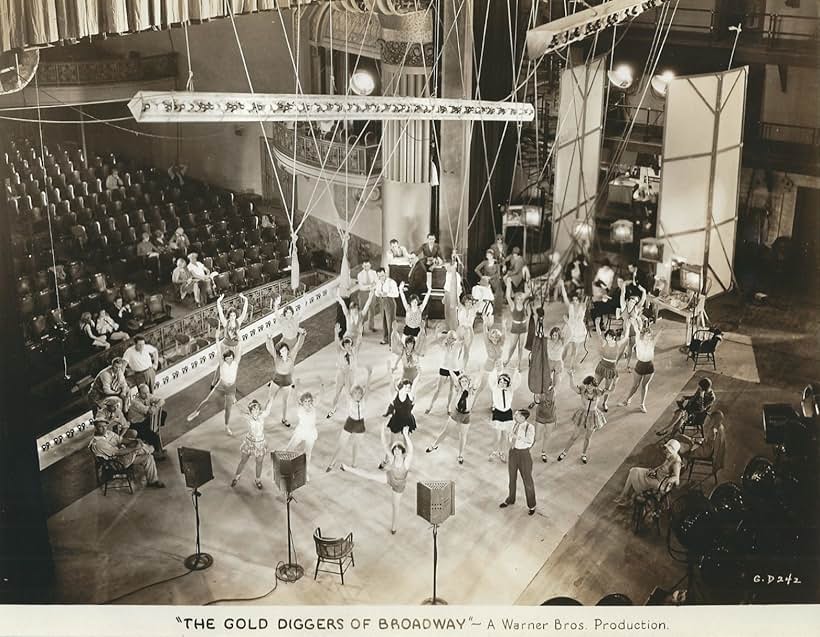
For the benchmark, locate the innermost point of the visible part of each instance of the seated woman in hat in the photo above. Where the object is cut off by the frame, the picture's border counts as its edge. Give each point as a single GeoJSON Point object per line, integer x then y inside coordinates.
{"type": "Point", "coordinates": [641, 479]}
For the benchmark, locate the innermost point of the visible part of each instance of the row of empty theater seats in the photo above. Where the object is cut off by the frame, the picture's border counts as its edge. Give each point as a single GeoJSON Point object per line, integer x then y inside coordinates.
{"type": "Point", "coordinates": [96, 230]}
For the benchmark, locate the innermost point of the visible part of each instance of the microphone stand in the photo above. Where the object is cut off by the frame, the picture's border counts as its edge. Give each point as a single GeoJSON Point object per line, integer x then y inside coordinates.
{"type": "Point", "coordinates": [434, 601]}
{"type": "Point", "coordinates": [291, 570]}
{"type": "Point", "coordinates": [199, 561]}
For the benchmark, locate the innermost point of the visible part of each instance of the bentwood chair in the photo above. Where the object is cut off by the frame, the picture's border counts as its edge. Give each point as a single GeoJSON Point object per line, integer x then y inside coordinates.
{"type": "Point", "coordinates": [336, 551]}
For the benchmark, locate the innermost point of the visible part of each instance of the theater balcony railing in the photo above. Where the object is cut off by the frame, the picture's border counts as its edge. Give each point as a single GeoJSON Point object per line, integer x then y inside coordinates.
{"type": "Point", "coordinates": [307, 152]}
{"type": "Point", "coordinates": [107, 71]}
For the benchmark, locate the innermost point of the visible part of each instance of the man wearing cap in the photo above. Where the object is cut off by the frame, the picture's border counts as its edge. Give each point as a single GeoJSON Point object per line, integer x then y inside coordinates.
{"type": "Point", "coordinates": [110, 382]}
{"type": "Point", "coordinates": [110, 446]}
{"type": "Point", "coordinates": [143, 359]}
{"type": "Point", "coordinates": [666, 475]}
{"type": "Point", "coordinates": [146, 416]}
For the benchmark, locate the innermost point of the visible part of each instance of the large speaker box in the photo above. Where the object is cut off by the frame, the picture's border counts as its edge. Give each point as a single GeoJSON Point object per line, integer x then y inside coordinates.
{"type": "Point", "coordinates": [436, 500]}
{"type": "Point", "coordinates": [195, 464]}
{"type": "Point", "coordinates": [776, 417]}
{"type": "Point", "coordinates": [289, 470]}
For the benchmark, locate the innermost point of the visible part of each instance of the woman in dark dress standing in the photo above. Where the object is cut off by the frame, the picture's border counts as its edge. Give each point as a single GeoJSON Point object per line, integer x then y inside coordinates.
{"type": "Point", "coordinates": [401, 413]}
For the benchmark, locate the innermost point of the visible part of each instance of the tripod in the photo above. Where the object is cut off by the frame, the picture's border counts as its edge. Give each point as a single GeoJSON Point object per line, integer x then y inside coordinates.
{"type": "Point", "coordinates": [289, 571]}
{"type": "Point", "coordinates": [199, 561]}
{"type": "Point", "coordinates": [434, 601]}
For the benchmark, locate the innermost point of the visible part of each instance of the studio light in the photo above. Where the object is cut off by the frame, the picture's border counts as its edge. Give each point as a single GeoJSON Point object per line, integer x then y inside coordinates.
{"type": "Point", "coordinates": [622, 231]}
{"type": "Point", "coordinates": [582, 231]}
{"type": "Point", "coordinates": [362, 82]}
{"type": "Point", "coordinates": [621, 76]}
{"type": "Point", "coordinates": [660, 83]}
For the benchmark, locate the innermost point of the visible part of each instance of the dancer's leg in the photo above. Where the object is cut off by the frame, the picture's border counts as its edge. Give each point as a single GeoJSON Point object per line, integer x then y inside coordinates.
{"type": "Point", "coordinates": [375, 476]}
{"type": "Point", "coordinates": [395, 501]}
{"type": "Point", "coordinates": [341, 445]}
{"type": "Point", "coordinates": [285, 399]}
{"type": "Point", "coordinates": [575, 434]}
{"type": "Point", "coordinates": [355, 449]}
{"type": "Point", "coordinates": [243, 460]}
{"type": "Point", "coordinates": [587, 438]}
{"type": "Point", "coordinates": [636, 382]}
{"type": "Point", "coordinates": [230, 399]}
{"type": "Point", "coordinates": [440, 380]}
{"type": "Point", "coordinates": [463, 430]}
{"type": "Point", "coordinates": [340, 384]}
{"type": "Point", "coordinates": [645, 380]}
{"type": "Point", "coordinates": [308, 452]}
{"type": "Point", "coordinates": [259, 461]}
{"type": "Point", "coordinates": [440, 435]}
{"type": "Point", "coordinates": [196, 411]}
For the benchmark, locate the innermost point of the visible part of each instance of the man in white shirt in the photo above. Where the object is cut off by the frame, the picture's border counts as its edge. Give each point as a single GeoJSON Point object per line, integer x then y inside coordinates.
{"type": "Point", "coordinates": [108, 445]}
{"type": "Point", "coordinates": [366, 279]}
{"type": "Point", "coordinates": [113, 181]}
{"type": "Point", "coordinates": [386, 293]}
{"type": "Point", "coordinates": [521, 438]}
{"type": "Point", "coordinates": [143, 359]}
{"type": "Point", "coordinates": [202, 275]}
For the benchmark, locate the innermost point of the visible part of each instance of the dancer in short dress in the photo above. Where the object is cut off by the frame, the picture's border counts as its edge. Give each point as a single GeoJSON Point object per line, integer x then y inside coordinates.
{"type": "Point", "coordinates": [346, 363]}
{"type": "Point", "coordinates": [413, 314]}
{"type": "Point", "coordinates": [502, 387]}
{"type": "Point", "coordinates": [458, 413]}
{"type": "Point", "coordinates": [518, 274]}
{"type": "Point", "coordinates": [451, 346]}
{"type": "Point", "coordinates": [644, 366]}
{"type": "Point", "coordinates": [555, 354]}
{"type": "Point", "coordinates": [484, 298]}
{"type": "Point", "coordinates": [519, 318]}
{"type": "Point", "coordinates": [404, 348]}
{"type": "Point", "coordinates": [576, 326]}
{"type": "Point", "coordinates": [284, 360]}
{"type": "Point", "coordinates": [491, 268]}
{"type": "Point", "coordinates": [226, 386]}
{"type": "Point", "coordinates": [354, 316]}
{"type": "Point", "coordinates": [494, 339]}
{"type": "Point", "coordinates": [354, 424]}
{"type": "Point", "coordinates": [401, 412]}
{"type": "Point", "coordinates": [231, 323]}
{"type": "Point", "coordinates": [632, 314]}
{"type": "Point", "coordinates": [606, 372]}
{"type": "Point", "coordinates": [588, 418]}
{"type": "Point", "coordinates": [288, 320]}
{"type": "Point", "coordinates": [305, 432]}
{"type": "Point", "coordinates": [465, 315]}
{"type": "Point", "coordinates": [395, 472]}
{"type": "Point", "coordinates": [254, 444]}
{"type": "Point", "coordinates": [452, 290]}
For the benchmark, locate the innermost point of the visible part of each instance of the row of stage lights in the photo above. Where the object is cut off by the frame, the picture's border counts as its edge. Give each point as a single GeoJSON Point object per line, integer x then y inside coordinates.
{"type": "Point", "coordinates": [622, 77]}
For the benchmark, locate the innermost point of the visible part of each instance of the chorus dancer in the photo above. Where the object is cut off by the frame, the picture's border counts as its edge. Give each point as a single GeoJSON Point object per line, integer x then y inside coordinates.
{"type": "Point", "coordinates": [354, 424]}
{"type": "Point", "coordinates": [458, 411]}
{"type": "Point", "coordinates": [305, 432]}
{"type": "Point", "coordinates": [226, 386]}
{"type": "Point", "coordinates": [451, 345]}
{"type": "Point", "coordinates": [502, 387]}
{"type": "Point", "coordinates": [288, 321]}
{"type": "Point", "coordinates": [519, 319]}
{"type": "Point", "coordinates": [231, 323]}
{"type": "Point", "coordinates": [284, 360]}
{"type": "Point", "coordinates": [576, 326]}
{"type": "Point", "coordinates": [606, 372]}
{"type": "Point", "coordinates": [482, 292]}
{"type": "Point", "coordinates": [346, 364]}
{"type": "Point", "coordinates": [400, 412]}
{"type": "Point", "coordinates": [254, 443]}
{"type": "Point", "coordinates": [494, 340]}
{"type": "Point", "coordinates": [539, 376]}
{"type": "Point", "coordinates": [491, 268]}
{"type": "Point", "coordinates": [545, 421]}
{"type": "Point", "coordinates": [644, 365]}
{"type": "Point", "coordinates": [400, 454]}
{"type": "Point", "coordinates": [518, 274]}
{"type": "Point", "coordinates": [588, 418]}
{"type": "Point", "coordinates": [413, 314]}
{"type": "Point", "coordinates": [354, 315]}
{"type": "Point", "coordinates": [555, 354]}
{"type": "Point", "coordinates": [632, 314]}
{"type": "Point", "coordinates": [467, 311]}
{"type": "Point", "coordinates": [404, 348]}
{"type": "Point", "coordinates": [452, 290]}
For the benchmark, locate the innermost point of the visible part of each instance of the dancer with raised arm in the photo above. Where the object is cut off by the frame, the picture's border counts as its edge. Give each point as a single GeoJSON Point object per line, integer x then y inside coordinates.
{"type": "Point", "coordinates": [588, 418]}
{"type": "Point", "coordinates": [452, 291]}
{"type": "Point", "coordinates": [632, 314]}
{"type": "Point", "coordinates": [305, 432]}
{"type": "Point", "coordinates": [395, 473]}
{"type": "Point", "coordinates": [413, 314]}
{"type": "Point", "coordinates": [576, 326]}
{"type": "Point", "coordinates": [284, 360]}
{"type": "Point", "coordinates": [354, 424]}
{"type": "Point", "coordinates": [401, 412]}
{"type": "Point", "coordinates": [226, 387]}
{"type": "Point", "coordinates": [606, 372]}
{"type": "Point", "coordinates": [231, 323]}
{"type": "Point", "coordinates": [451, 346]}
{"type": "Point", "coordinates": [354, 315]}
{"type": "Point", "coordinates": [520, 317]}
{"type": "Point", "coordinates": [491, 269]}
{"type": "Point", "coordinates": [407, 358]}
{"type": "Point", "coordinates": [459, 408]}
{"type": "Point", "coordinates": [346, 364]}
{"type": "Point", "coordinates": [644, 366]}
{"type": "Point", "coordinates": [494, 340]}
{"type": "Point", "coordinates": [465, 315]}
{"type": "Point", "coordinates": [502, 387]}
{"type": "Point", "coordinates": [254, 444]}
{"type": "Point", "coordinates": [288, 321]}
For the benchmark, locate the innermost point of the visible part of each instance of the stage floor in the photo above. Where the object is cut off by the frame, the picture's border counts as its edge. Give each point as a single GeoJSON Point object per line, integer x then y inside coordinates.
{"type": "Point", "coordinates": [107, 546]}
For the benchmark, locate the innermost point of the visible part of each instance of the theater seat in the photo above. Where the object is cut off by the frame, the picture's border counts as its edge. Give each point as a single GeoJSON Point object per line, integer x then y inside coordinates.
{"type": "Point", "coordinates": [238, 279]}
{"type": "Point", "coordinates": [159, 310]}
{"type": "Point", "coordinates": [256, 275]}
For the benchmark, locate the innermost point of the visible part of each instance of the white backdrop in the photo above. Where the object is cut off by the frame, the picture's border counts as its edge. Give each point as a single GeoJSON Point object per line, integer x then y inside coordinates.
{"type": "Point", "coordinates": [702, 145]}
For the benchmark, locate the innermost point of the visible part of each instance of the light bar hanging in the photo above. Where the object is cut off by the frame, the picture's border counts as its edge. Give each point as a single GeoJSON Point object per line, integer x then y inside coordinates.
{"type": "Point", "coordinates": [577, 26]}
{"type": "Point", "coordinates": [194, 107]}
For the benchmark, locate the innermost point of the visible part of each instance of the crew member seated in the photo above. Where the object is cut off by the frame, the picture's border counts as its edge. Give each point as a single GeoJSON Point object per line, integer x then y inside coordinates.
{"type": "Point", "coordinates": [128, 450]}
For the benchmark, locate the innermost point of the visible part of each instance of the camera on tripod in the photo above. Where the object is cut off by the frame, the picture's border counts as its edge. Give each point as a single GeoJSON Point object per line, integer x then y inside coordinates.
{"type": "Point", "coordinates": [792, 431]}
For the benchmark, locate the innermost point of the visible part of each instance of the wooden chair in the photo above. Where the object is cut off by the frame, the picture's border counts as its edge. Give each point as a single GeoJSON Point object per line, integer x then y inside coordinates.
{"type": "Point", "coordinates": [703, 346]}
{"type": "Point", "coordinates": [112, 472]}
{"type": "Point", "coordinates": [651, 505]}
{"type": "Point", "coordinates": [336, 551]}
{"type": "Point", "coordinates": [713, 464]}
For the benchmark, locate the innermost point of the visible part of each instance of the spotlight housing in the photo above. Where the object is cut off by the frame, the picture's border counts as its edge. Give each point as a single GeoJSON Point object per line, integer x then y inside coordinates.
{"type": "Point", "coordinates": [362, 82]}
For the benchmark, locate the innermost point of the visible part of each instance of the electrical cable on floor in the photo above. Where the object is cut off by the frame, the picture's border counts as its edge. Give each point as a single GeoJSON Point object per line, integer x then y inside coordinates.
{"type": "Point", "coordinates": [147, 586]}
{"type": "Point", "coordinates": [247, 599]}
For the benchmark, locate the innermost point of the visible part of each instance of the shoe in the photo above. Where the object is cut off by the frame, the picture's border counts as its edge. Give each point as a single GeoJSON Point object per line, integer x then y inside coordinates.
{"type": "Point", "coordinates": [531, 512]}
{"type": "Point", "coordinates": [156, 485]}
{"type": "Point", "coordinates": [460, 460]}
{"type": "Point", "coordinates": [286, 423]}
{"type": "Point", "coordinates": [342, 467]}
{"type": "Point", "coordinates": [234, 481]}
{"type": "Point", "coordinates": [428, 410]}
{"type": "Point", "coordinates": [329, 469]}
{"type": "Point", "coordinates": [192, 416]}
{"type": "Point", "coordinates": [329, 414]}
{"type": "Point", "coordinates": [623, 403]}
{"type": "Point", "coordinates": [228, 430]}
{"type": "Point", "coordinates": [431, 449]}
{"type": "Point", "coordinates": [584, 458]}
{"type": "Point", "coordinates": [493, 454]}
{"type": "Point", "coordinates": [383, 342]}
{"type": "Point", "coordinates": [381, 466]}
{"type": "Point", "coordinates": [543, 457]}
{"type": "Point", "coordinates": [642, 408]}
{"type": "Point", "coordinates": [605, 408]}
{"type": "Point", "coordinates": [562, 455]}
{"type": "Point", "coordinates": [258, 484]}
{"type": "Point", "coordinates": [392, 531]}
{"type": "Point", "coordinates": [502, 457]}
{"type": "Point", "coordinates": [504, 505]}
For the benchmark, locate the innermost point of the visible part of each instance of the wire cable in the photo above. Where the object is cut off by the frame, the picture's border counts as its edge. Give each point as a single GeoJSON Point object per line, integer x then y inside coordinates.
{"type": "Point", "coordinates": [147, 586]}
{"type": "Point", "coordinates": [226, 600]}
